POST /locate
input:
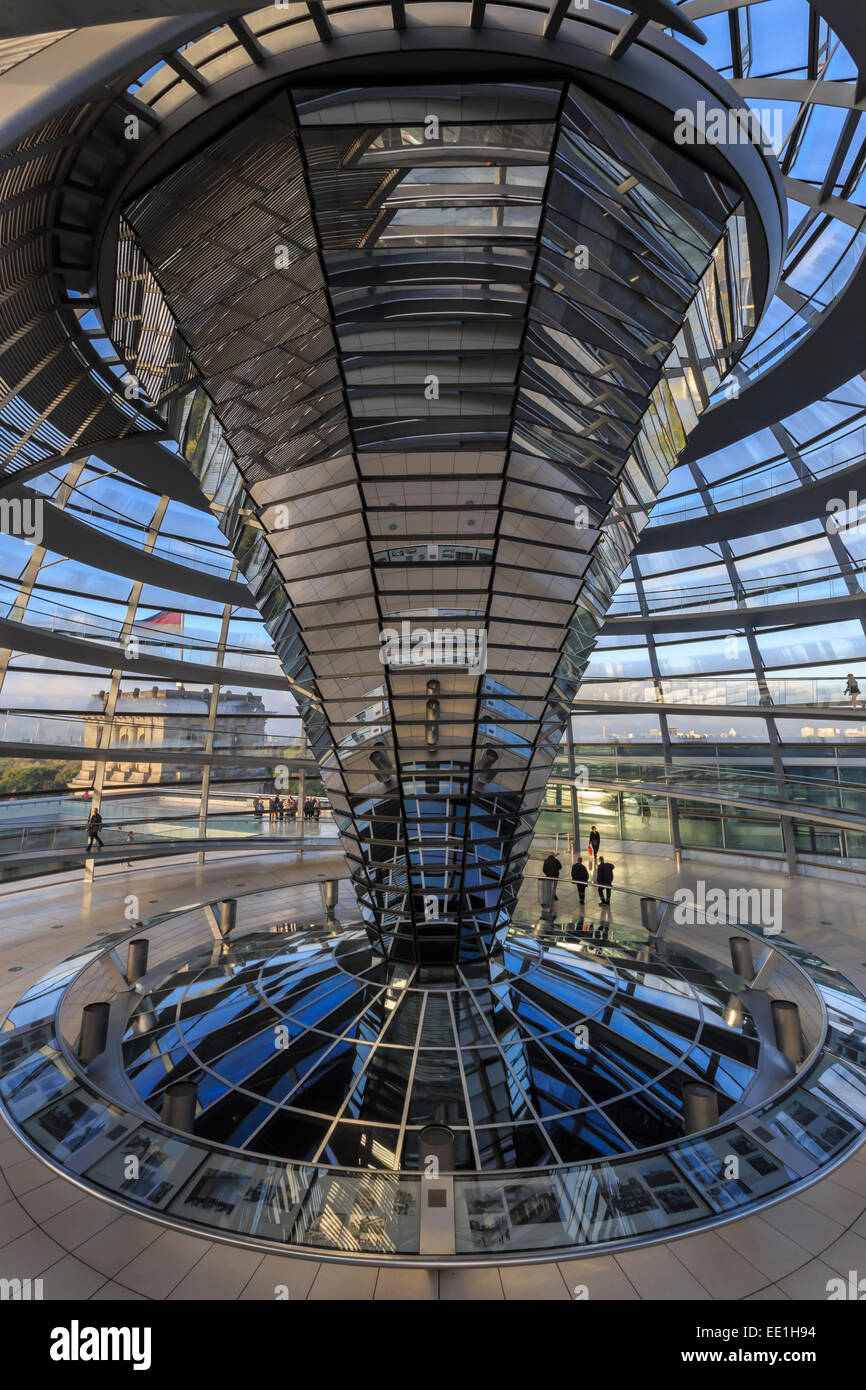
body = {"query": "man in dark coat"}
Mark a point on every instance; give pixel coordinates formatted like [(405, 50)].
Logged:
[(94, 825), (551, 868), (604, 878), (580, 876)]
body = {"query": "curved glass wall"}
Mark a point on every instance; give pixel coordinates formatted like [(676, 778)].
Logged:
[(175, 713), (731, 638)]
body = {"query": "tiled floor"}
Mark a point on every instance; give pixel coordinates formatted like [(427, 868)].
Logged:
[(83, 1248)]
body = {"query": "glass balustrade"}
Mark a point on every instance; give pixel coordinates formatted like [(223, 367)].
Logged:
[(822, 691), (806, 586)]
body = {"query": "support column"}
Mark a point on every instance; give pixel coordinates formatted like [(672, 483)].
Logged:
[(572, 772), (213, 711), (700, 1107), (228, 916), (178, 1106), (94, 1031), (786, 1026), (136, 960), (741, 957)]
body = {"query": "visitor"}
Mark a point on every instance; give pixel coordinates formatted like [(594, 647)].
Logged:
[(317, 810), (604, 878), (94, 825), (551, 868), (272, 810), (281, 810), (852, 689), (129, 839), (580, 876), (593, 846)]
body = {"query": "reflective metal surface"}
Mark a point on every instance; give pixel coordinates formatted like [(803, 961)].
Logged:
[(453, 358)]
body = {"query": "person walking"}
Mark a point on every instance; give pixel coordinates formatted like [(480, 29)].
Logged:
[(281, 810), (604, 878), (580, 876), (852, 689), (594, 845), (317, 810), (551, 868), (94, 825), (272, 810)]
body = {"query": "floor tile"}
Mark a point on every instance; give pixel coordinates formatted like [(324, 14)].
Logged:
[(475, 1284), (24, 1176), (599, 1278), (772, 1252), (656, 1274), (723, 1272), (814, 1230), (161, 1266), (853, 1177), (534, 1283), (405, 1285), (52, 1197), (29, 1255), (833, 1200), (109, 1250), (281, 1274), (14, 1221), (344, 1282), (222, 1273), (809, 1283), (77, 1223), (110, 1293), (69, 1279), (847, 1253)]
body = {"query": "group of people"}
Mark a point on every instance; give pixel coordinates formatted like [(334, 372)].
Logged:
[(278, 809), (598, 870)]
